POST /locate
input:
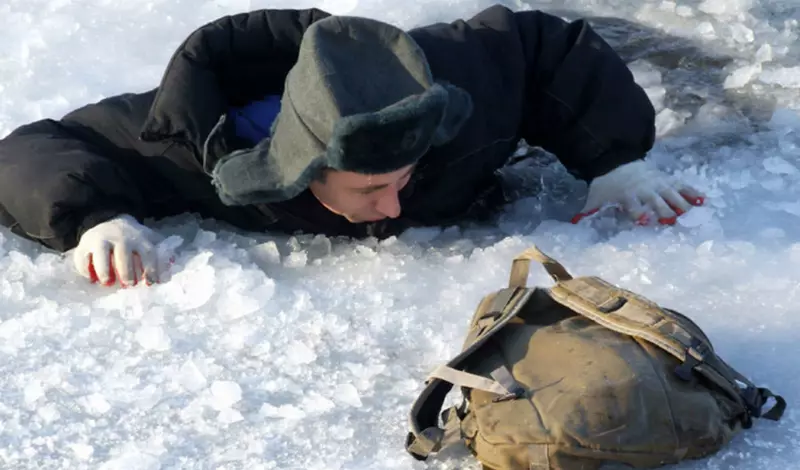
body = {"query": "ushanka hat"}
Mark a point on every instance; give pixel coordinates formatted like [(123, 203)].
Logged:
[(360, 98)]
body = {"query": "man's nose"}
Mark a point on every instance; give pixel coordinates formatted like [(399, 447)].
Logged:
[(389, 204)]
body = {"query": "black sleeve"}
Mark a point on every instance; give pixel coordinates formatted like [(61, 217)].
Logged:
[(58, 178), (54, 186), (581, 102)]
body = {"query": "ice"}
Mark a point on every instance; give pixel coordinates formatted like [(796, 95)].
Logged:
[(283, 411), (742, 76), (684, 11), (229, 416), (772, 232), (773, 184), (296, 260), (131, 457), (706, 29), (82, 451), (225, 394), (153, 338), (166, 248), (668, 120), (348, 395), (265, 351), (96, 404), (764, 53), (193, 286), (696, 218), (316, 403), (48, 413), (723, 7), (33, 391), (779, 166), (788, 77), (742, 34), (265, 255), (788, 207), (298, 353), (785, 120), (191, 377)]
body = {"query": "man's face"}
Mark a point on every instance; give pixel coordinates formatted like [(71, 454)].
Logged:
[(362, 198)]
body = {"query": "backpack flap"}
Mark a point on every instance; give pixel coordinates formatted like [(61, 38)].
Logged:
[(631, 314), (628, 313)]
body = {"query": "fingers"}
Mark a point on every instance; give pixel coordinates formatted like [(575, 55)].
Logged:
[(137, 268), (635, 209), (124, 266), (581, 215), (694, 197), (92, 272), (642, 199), (659, 206), (677, 203), (669, 204), (107, 264), (120, 249), (100, 264)]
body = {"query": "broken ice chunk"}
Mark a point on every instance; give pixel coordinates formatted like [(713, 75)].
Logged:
[(696, 217), (190, 377), (779, 166), (348, 395), (153, 337), (82, 451), (225, 394), (96, 404)]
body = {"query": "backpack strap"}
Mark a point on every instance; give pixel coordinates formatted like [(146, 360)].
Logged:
[(425, 436), (521, 266), (631, 314)]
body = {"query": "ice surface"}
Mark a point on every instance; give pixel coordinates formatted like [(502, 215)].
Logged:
[(742, 76), (225, 394), (265, 352), (779, 165), (788, 77)]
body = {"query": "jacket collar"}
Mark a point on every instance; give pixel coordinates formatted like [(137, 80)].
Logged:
[(190, 106)]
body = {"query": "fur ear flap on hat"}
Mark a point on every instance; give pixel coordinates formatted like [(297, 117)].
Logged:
[(457, 111), (360, 98)]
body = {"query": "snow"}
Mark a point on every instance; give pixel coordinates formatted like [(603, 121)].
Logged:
[(266, 351)]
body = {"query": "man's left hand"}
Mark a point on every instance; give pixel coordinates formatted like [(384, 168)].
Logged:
[(642, 191)]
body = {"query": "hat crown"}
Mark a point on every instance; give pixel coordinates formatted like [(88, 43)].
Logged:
[(351, 65)]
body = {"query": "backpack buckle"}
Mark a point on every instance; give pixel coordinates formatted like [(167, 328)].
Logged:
[(753, 400), (695, 355), (515, 392)]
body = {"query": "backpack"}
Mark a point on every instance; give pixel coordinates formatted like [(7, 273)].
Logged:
[(582, 374)]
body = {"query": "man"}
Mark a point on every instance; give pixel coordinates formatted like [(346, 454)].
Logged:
[(295, 120)]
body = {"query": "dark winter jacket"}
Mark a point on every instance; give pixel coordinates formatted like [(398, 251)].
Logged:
[(532, 76)]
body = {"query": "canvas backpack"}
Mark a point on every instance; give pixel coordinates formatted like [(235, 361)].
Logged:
[(581, 374)]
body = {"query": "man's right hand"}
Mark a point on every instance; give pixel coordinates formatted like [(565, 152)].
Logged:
[(119, 249)]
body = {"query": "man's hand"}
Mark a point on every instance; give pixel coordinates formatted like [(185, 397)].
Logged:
[(641, 190), (119, 249)]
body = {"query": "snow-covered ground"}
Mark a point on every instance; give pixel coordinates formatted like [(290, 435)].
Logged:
[(305, 353)]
